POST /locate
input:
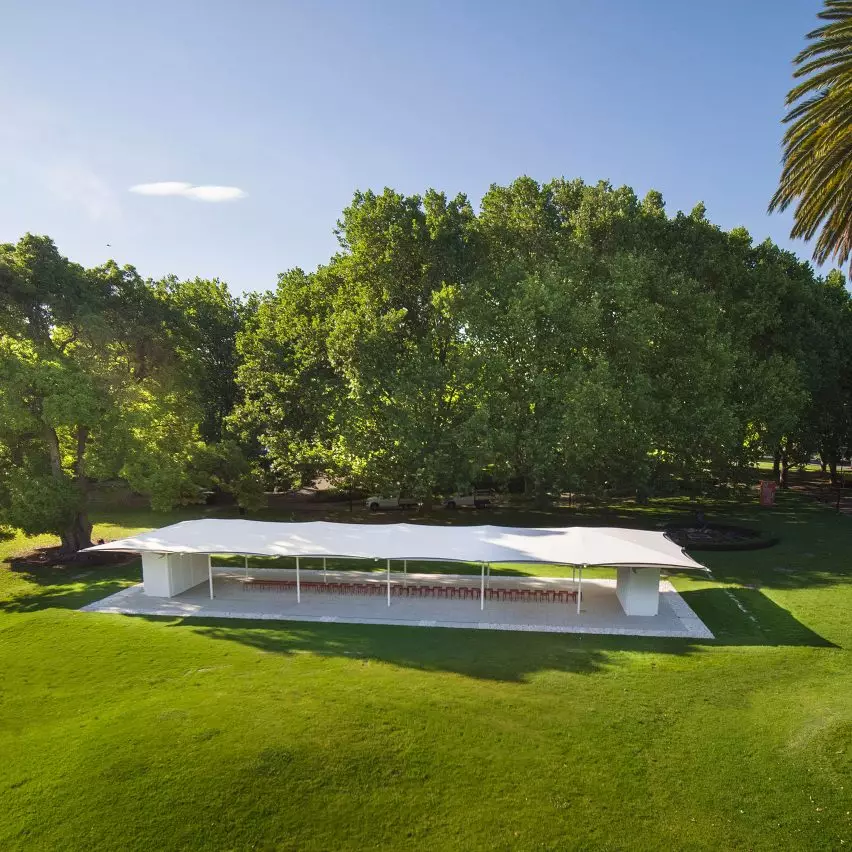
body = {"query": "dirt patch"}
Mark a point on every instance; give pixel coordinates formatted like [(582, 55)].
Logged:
[(708, 536), (53, 557)]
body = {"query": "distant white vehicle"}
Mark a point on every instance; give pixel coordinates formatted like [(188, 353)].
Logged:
[(477, 499), (376, 503)]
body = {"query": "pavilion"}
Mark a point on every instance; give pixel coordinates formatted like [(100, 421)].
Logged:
[(179, 557)]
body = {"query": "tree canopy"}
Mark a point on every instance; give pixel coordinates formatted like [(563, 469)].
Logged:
[(567, 336)]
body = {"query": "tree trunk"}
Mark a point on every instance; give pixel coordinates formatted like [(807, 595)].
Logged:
[(776, 464), (832, 470), (78, 534), (53, 450), (540, 495), (784, 482)]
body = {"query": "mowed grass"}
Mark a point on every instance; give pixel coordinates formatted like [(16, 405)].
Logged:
[(131, 733)]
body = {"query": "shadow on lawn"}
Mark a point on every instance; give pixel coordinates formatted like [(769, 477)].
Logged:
[(739, 616), (71, 586), (64, 597), (481, 654), (749, 618)]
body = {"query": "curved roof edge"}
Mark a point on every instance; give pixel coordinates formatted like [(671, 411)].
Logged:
[(592, 546)]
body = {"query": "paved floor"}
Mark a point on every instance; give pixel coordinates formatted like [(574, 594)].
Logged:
[(600, 611)]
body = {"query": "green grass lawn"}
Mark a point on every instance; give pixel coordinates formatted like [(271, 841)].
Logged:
[(138, 733), (764, 465)]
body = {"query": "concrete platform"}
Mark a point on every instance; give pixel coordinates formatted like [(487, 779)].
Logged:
[(600, 610)]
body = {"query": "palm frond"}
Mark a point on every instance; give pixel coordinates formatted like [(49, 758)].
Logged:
[(816, 173)]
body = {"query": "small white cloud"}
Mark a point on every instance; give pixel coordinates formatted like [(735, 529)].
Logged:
[(188, 190), (168, 187), (215, 193)]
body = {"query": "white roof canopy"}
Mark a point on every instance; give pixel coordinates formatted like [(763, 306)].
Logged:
[(605, 546)]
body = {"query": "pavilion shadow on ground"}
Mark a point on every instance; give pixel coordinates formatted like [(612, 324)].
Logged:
[(736, 615), (495, 655), (740, 616), (480, 654)]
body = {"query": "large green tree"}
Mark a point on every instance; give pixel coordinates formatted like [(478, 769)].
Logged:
[(91, 388), (826, 426), (606, 367), (360, 369), (396, 337), (291, 399)]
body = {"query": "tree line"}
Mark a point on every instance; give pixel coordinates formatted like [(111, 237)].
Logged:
[(562, 337)]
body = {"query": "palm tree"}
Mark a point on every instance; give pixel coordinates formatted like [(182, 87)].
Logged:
[(817, 163)]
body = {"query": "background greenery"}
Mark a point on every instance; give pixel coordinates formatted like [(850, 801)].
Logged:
[(563, 338)]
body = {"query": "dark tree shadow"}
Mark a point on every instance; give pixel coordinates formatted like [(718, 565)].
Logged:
[(64, 574)]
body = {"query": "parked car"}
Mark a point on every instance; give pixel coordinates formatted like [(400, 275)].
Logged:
[(478, 498), (376, 503)]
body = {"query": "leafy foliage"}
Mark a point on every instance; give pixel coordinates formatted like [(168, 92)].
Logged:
[(568, 336), (98, 380), (204, 321)]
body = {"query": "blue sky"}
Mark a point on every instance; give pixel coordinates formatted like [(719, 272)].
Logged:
[(299, 104)]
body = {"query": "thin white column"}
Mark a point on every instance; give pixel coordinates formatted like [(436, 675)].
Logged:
[(388, 582), (580, 589), (482, 588), (324, 571), (246, 561), (298, 583), (210, 573), (404, 572)]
